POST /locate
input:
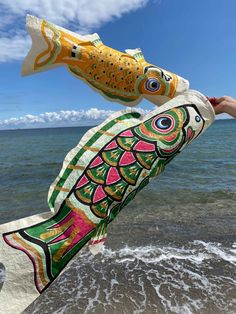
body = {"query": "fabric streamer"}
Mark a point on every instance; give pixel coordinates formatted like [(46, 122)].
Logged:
[(99, 177), (122, 77)]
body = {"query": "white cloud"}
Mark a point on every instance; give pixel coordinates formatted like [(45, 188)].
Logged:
[(62, 118), (82, 12), (65, 118), (81, 15), (14, 48), (56, 119), (6, 20)]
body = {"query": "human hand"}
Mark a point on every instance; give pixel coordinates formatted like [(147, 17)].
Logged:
[(225, 104)]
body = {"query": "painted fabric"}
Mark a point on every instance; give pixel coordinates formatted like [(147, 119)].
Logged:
[(122, 77), (99, 177)]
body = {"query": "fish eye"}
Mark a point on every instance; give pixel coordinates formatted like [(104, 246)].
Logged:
[(163, 123), (152, 85), (198, 119)]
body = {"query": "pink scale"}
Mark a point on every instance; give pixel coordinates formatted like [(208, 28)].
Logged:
[(144, 147), (126, 133), (127, 159), (84, 180), (97, 161), (112, 176), (99, 194), (111, 145)]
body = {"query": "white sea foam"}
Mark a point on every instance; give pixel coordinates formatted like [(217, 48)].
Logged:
[(228, 255), (194, 278), (154, 254), (173, 271)]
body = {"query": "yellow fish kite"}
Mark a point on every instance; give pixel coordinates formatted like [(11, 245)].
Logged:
[(122, 77)]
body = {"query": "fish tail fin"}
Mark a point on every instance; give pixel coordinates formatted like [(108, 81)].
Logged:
[(37, 253), (45, 46), (16, 269), (50, 45)]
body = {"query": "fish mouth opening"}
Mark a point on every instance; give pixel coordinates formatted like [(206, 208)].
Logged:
[(203, 105), (206, 108)]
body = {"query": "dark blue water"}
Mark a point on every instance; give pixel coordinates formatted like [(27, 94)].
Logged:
[(172, 250)]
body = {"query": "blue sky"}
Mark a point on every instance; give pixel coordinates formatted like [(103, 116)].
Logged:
[(195, 39)]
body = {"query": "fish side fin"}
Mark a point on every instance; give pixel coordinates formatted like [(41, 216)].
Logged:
[(96, 243), (136, 54), (94, 39)]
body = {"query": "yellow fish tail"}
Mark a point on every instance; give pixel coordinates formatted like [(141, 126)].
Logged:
[(52, 46)]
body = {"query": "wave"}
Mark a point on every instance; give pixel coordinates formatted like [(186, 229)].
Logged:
[(198, 277)]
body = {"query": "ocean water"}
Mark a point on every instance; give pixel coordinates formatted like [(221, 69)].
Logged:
[(171, 250)]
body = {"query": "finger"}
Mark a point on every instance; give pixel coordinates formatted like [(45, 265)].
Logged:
[(213, 101)]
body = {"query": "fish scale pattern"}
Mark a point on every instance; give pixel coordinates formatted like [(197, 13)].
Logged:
[(116, 169)]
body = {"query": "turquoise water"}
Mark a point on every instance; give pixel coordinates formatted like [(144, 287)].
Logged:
[(172, 250)]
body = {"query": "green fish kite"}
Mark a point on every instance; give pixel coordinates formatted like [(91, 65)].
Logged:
[(100, 176)]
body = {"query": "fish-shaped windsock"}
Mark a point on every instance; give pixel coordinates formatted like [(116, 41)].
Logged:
[(99, 177), (122, 77)]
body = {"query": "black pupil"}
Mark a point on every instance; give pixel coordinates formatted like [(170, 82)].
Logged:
[(163, 123), (154, 84), (166, 122)]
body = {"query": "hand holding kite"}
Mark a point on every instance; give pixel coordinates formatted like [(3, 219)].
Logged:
[(225, 104)]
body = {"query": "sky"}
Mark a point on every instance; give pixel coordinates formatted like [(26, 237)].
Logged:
[(195, 39)]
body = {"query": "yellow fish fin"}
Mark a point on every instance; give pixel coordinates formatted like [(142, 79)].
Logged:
[(94, 39), (136, 54)]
